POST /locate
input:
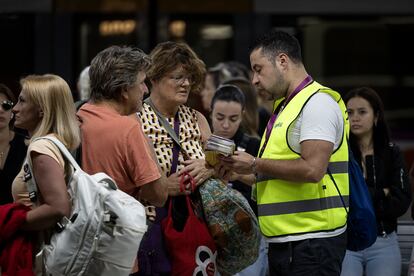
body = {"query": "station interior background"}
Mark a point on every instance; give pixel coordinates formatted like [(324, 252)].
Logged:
[(345, 43)]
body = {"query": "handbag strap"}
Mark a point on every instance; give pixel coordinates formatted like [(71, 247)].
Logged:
[(191, 179), (187, 197), (176, 147), (164, 122), (174, 133)]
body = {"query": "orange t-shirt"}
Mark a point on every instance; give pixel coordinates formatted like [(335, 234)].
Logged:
[(116, 145)]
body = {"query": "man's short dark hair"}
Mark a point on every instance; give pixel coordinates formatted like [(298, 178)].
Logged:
[(276, 42), (114, 70)]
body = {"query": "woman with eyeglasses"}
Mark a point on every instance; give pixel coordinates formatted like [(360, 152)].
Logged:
[(12, 145), (176, 71)]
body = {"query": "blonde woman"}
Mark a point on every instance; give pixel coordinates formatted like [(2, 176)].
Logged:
[(45, 107)]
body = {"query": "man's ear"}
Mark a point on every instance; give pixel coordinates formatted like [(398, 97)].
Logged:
[(282, 59), (124, 94)]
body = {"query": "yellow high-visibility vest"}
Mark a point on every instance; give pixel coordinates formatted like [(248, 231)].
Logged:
[(287, 208)]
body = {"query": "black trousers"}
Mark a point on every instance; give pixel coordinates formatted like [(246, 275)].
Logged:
[(310, 257)]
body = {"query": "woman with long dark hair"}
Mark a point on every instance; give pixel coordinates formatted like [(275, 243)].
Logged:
[(384, 170), (12, 145)]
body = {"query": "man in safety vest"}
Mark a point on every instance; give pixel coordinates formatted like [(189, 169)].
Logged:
[(300, 210)]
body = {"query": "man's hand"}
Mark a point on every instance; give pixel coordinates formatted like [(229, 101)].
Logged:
[(240, 162)]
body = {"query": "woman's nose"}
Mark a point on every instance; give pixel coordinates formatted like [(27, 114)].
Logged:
[(186, 81), (226, 124), (353, 117)]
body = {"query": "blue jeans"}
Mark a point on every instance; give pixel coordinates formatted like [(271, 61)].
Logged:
[(383, 258), (310, 257), (260, 267)]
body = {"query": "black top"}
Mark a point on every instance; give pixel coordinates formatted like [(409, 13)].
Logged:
[(250, 145), (12, 166), (386, 169)]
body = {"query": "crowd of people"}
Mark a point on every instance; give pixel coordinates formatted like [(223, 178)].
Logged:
[(134, 124)]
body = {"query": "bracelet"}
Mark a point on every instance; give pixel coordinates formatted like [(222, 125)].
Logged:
[(254, 165)]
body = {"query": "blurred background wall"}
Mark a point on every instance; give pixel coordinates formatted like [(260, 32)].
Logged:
[(345, 43)]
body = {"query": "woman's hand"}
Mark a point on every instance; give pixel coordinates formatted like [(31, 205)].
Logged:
[(174, 185), (198, 169), (224, 173)]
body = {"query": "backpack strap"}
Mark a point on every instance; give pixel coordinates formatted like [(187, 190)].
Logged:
[(350, 158), (340, 195), (29, 179), (77, 154), (66, 154), (31, 185)]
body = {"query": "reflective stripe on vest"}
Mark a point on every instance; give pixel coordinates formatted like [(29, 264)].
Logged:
[(334, 167), (308, 205)]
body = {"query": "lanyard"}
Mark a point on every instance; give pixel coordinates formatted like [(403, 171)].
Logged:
[(280, 108)]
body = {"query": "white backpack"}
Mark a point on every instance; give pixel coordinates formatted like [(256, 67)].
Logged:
[(104, 231)]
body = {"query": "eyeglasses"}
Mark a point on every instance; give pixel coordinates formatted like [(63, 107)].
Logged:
[(7, 105), (180, 79)]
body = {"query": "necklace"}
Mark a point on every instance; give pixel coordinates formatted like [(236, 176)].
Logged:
[(3, 156), (3, 152)]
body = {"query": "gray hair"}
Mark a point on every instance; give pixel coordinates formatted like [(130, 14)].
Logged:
[(114, 70), (84, 85)]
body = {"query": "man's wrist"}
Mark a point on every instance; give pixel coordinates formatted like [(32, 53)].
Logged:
[(254, 165)]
